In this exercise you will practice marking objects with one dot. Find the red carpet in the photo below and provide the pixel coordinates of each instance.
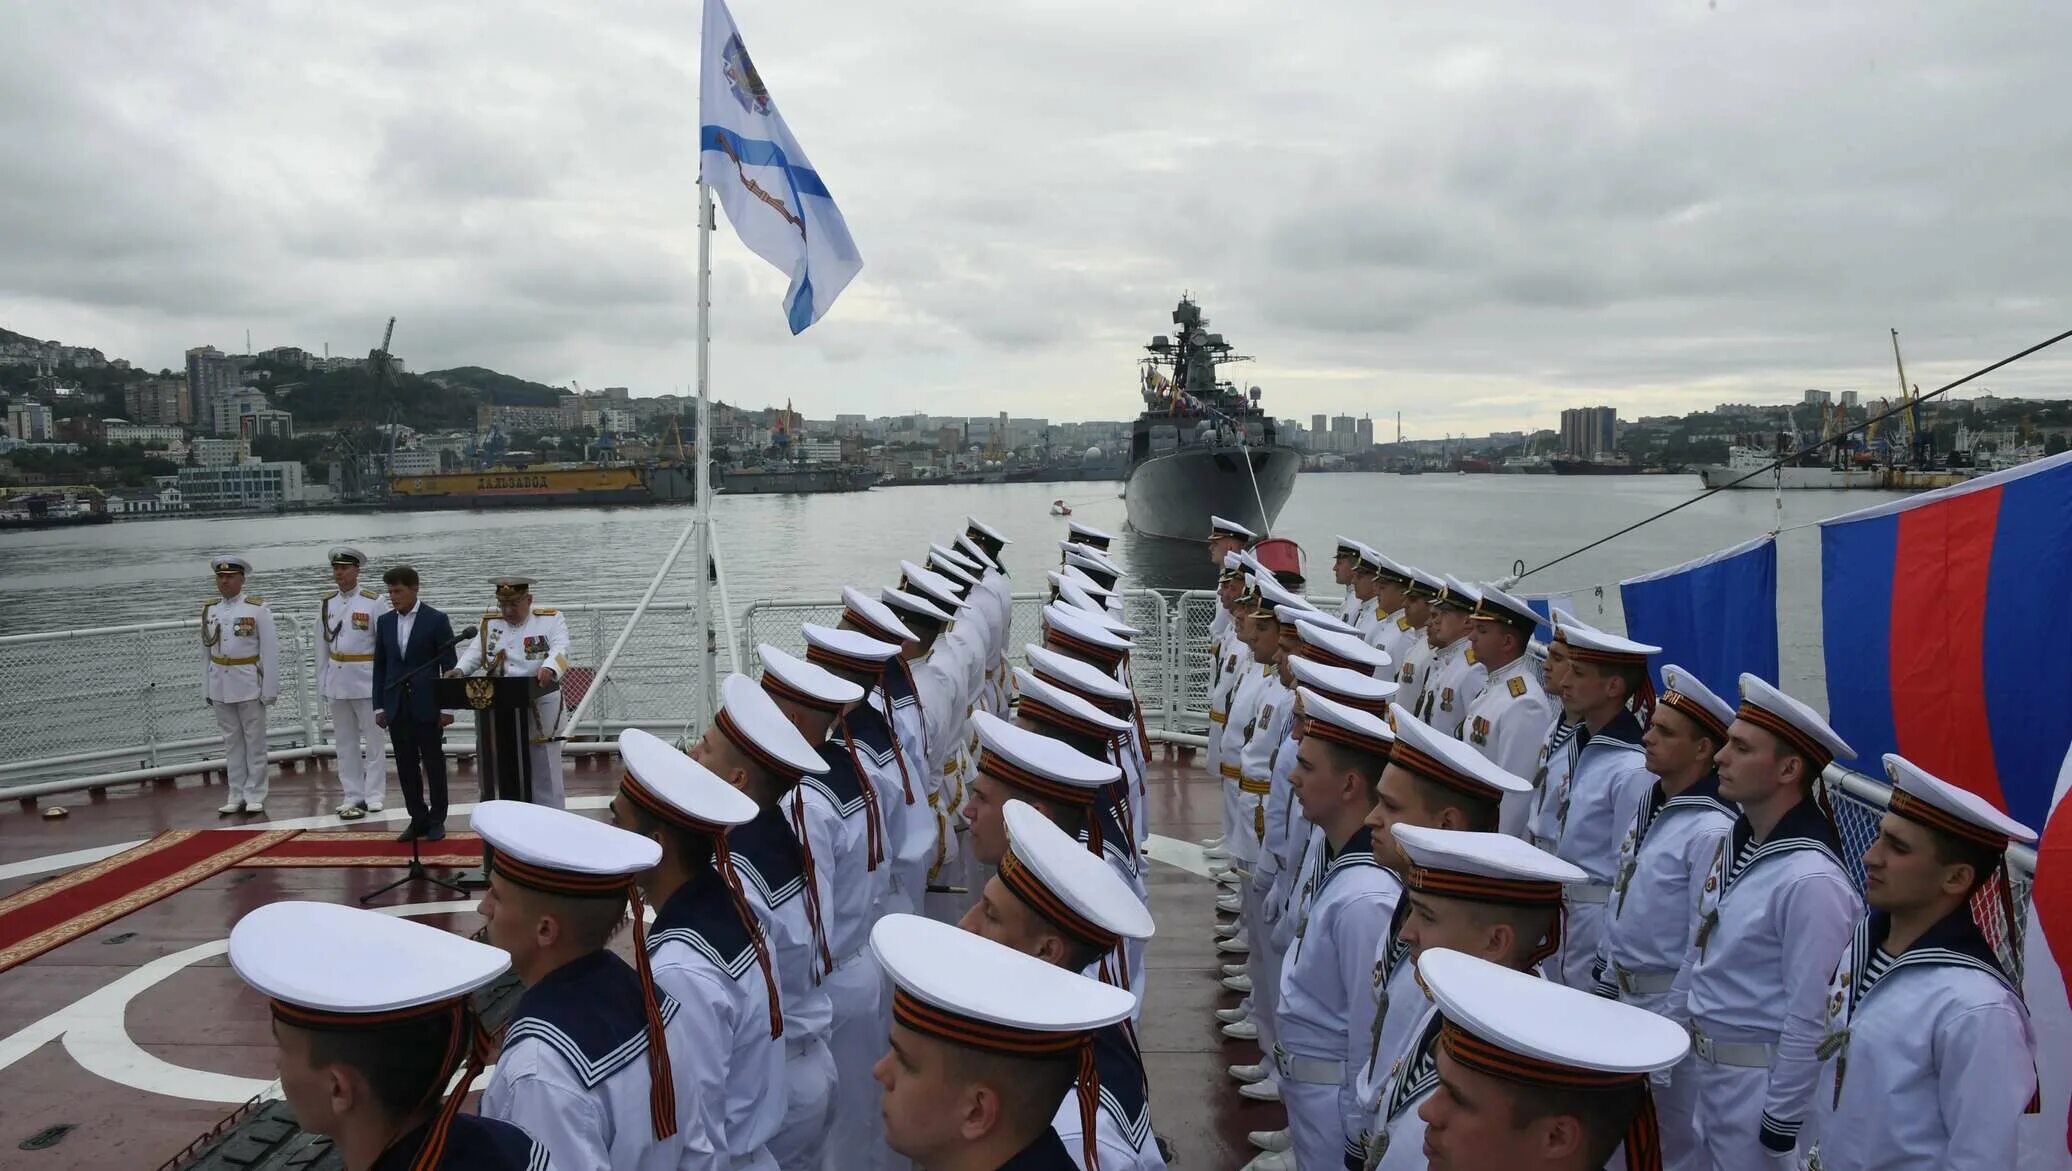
(360, 848)
(43, 916)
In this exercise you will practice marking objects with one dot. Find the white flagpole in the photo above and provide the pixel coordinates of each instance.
(707, 682)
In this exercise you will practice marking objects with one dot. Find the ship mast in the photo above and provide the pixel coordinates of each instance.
(1906, 397)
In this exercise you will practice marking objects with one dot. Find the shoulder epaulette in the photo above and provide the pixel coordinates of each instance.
(1471, 654)
(1402, 624)
(545, 612)
(370, 595)
(491, 616)
(208, 602)
(1517, 686)
(255, 600)
(331, 595)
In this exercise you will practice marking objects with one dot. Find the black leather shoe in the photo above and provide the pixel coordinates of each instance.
(435, 834)
(411, 834)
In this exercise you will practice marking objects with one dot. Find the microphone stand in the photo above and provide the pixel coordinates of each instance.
(416, 871)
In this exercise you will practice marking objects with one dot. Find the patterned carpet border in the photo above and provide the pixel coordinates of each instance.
(333, 848)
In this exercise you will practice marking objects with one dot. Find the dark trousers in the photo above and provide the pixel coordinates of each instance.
(421, 759)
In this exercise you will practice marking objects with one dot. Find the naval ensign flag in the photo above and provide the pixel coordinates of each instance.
(773, 196)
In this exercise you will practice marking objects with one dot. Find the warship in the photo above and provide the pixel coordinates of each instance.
(1202, 446)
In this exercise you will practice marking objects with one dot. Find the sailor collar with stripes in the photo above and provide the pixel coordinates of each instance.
(590, 1012)
(768, 857)
(1125, 1094)
(1804, 828)
(702, 916)
(1701, 797)
(472, 1141)
(1357, 853)
(1865, 968)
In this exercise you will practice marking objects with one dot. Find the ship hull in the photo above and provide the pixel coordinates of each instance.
(749, 483)
(615, 486)
(1585, 467)
(1175, 494)
(1831, 479)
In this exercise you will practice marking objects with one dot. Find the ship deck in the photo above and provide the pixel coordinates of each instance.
(137, 1037)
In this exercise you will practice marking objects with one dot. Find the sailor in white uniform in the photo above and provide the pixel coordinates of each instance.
(1057, 779)
(240, 680)
(1437, 782)
(1454, 677)
(517, 639)
(1557, 754)
(1413, 654)
(596, 1062)
(1487, 895)
(1508, 721)
(753, 745)
(993, 543)
(1609, 690)
(345, 676)
(939, 674)
(923, 835)
(1674, 828)
(1538, 1075)
(1345, 557)
(906, 829)
(356, 996)
(708, 951)
(1775, 915)
(1929, 1057)
(1052, 900)
(1323, 1015)
(986, 1044)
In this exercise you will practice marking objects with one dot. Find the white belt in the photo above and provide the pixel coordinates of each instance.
(1308, 1070)
(1742, 1054)
(1644, 983)
(1586, 892)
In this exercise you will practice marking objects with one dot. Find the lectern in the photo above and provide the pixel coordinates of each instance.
(505, 727)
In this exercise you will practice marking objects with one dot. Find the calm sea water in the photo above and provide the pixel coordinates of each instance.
(806, 547)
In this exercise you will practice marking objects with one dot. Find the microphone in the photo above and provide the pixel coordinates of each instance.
(462, 637)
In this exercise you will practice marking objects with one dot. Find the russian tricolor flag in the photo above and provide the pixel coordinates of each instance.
(1948, 632)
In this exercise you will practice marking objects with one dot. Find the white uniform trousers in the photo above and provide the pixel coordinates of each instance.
(809, 1074)
(1261, 964)
(1727, 1114)
(243, 723)
(1674, 1101)
(855, 1125)
(546, 752)
(362, 767)
(1316, 1129)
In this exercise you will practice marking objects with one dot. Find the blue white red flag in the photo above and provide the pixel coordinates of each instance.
(773, 196)
(1714, 617)
(1948, 632)
(2046, 1137)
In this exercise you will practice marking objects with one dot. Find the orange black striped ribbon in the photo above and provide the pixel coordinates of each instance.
(1642, 700)
(467, 1041)
(1106, 658)
(1016, 876)
(732, 878)
(906, 780)
(1643, 1133)
(798, 827)
(1788, 732)
(1124, 797)
(900, 664)
(1700, 714)
(1009, 1041)
(994, 764)
(766, 760)
(567, 883)
(780, 688)
(836, 660)
(874, 833)
(1109, 704)
(1356, 740)
(1058, 717)
(1920, 812)
(1317, 654)
(1484, 888)
(1431, 768)
(856, 619)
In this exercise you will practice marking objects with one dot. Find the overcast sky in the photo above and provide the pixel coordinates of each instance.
(1474, 214)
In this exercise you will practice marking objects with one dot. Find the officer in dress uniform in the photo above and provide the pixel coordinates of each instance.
(1609, 690)
(944, 715)
(1345, 558)
(346, 619)
(1674, 830)
(1538, 1075)
(1454, 676)
(1929, 1056)
(1414, 655)
(1227, 652)
(1385, 621)
(590, 1058)
(1052, 900)
(240, 680)
(1774, 915)
(1508, 721)
(1486, 895)
(368, 1010)
(1260, 635)
(1437, 782)
(1227, 536)
(986, 1043)
(520, 638)
(753, 746)
(1322, 1015)
(707, 951)
(1086, 534)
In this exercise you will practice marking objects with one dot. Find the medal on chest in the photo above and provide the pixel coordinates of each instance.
(245, 628)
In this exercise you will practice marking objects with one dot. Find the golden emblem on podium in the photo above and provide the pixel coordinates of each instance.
(481, 692)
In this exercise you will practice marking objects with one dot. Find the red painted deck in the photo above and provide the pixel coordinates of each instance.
(64, 1059)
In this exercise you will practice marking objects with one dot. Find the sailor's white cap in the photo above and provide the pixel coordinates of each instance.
(1339, 650)
(1075, 888)
(1349, 686)
(1440, 854)
(1076, 675)
(1079, 629)
(1347, 547)
(1497, 606)
(335, 960)
(753, 722)
(1798, 725)
(1563, 616)
(1073, 593)
(1428, 585)
(1309, 615)
(1688, 694)
(229, 563)
(345, 555)
(1050, 703)
(1100, 612)
(1220, 527)
(1592, 645)
(1458, 595)
(973, 524)
(1078, 559)
(912, 604)
(973, 551)
(1327, 719)
(1517, 1015)
(961, 560)
(933, 586)
(846, 650)
(801, 682)
(1379, 565)
(969, 979)
(1035, 762)
(947, 567)
(677, 789)
(1100, 538)
(873, 617)
(1922, 797)
(511, 585)
(1233, 566)
(1082, 578)
(561, 842)
(1427, 752)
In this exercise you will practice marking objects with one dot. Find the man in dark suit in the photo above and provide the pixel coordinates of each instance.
(408, 641)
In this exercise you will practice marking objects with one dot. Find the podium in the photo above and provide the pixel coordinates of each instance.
(505, 727)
